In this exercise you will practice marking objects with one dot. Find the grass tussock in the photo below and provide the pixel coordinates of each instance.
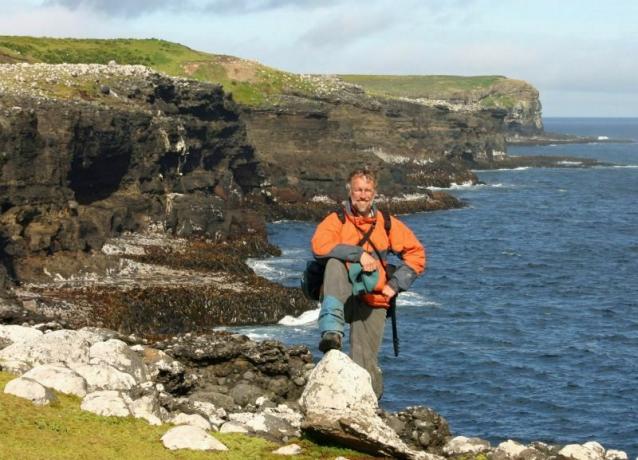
(63, 431)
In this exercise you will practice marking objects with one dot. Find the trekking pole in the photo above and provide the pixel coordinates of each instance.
(395, 332)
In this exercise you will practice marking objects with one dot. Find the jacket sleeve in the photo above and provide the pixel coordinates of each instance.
(326, 242)
(411, 251)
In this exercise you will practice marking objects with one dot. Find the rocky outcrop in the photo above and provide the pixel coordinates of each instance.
(308, 145)
(228, 383)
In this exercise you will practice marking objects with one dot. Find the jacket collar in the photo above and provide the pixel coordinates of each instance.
(356, 217)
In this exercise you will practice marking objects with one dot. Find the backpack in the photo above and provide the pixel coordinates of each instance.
(312, 278)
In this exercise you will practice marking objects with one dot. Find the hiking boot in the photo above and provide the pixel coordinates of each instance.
(330, 341)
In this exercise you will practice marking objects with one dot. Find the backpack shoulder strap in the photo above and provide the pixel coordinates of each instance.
(387, 221)
(341, 214)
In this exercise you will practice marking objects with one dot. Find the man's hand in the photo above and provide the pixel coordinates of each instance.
(388, 291)
(368, 262)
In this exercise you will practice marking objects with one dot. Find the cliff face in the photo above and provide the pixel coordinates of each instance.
(310, 144)
(132, 148)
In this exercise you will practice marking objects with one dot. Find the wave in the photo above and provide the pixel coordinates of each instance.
(569, 163)
(518, 168)
(270, 269)
(414, 299)
(306, 317)
(465, 186)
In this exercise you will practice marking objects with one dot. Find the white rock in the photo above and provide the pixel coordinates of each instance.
(16, 333)
(104, 377)
(14, 367)
(191, 419)
(613, 454)
(107, 403)
(337, 384)
(59, 378)
(578, 452)
(118, 354)
(462, 445)
(511, 448)
(233, 427)
(57, 347)
(595, 447)
(292, 449)
(339, 404)
(30, 389)
(146, 407)
(190, 437)
(94, 335)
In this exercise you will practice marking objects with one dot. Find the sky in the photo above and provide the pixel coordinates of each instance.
(582, 55)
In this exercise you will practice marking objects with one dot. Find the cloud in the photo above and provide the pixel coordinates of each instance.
(254, 6)
(125, 8)
(340, 28)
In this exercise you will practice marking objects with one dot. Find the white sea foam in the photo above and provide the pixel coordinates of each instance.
(603, 138)
(569, 163)
(519, 168)
(306, 317)
(465, 186)
(414, 299)
(270, 270)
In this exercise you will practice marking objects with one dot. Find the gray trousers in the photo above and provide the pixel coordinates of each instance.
(366, 323)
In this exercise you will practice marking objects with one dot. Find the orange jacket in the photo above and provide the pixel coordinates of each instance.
(333, 239)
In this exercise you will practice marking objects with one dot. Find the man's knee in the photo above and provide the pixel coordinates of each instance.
(335, 280)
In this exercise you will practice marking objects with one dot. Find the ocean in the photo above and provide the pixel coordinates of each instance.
(525, 324)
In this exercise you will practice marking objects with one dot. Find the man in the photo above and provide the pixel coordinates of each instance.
(356, 286)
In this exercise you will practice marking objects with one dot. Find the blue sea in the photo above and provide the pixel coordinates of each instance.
(525, 325)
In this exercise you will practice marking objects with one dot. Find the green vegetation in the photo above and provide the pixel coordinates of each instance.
(63, 431)
(421, 86)
(251, 83)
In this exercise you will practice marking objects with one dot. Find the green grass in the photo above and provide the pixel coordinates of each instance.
(425, 86)
(63, 431)
(251, 83)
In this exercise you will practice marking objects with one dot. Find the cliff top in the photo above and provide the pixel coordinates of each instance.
(254, 84)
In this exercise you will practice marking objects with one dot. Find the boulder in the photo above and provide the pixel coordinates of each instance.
(613, 454)
(463, 445)
(587, 451)
(16, 333)
(234, 427)
(94, 335)
(30, 389)
(266, 424)
(190, 437)
(191, 419)
(339, 404)
(118, 354)
(59, 378)
(104, 377)
(106, 403)
(14, 367)
(57, 347)
(143, 402)
(291, 449)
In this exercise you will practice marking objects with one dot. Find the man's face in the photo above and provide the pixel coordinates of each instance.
(362, 192)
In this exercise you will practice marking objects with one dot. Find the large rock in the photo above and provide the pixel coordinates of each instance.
(105, 377)
(339, 404)
(30, 389)
(16, 333)
(119, 355)
(190, 437)
(59, 378)
(106, 403)
(57, 347)
(464, 445)
(145, 405)
(191, 419)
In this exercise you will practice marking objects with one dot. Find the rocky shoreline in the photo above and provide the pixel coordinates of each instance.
(547, 138)
(218, 381)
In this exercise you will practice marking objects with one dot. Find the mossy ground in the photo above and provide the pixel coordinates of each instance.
(63, 431)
